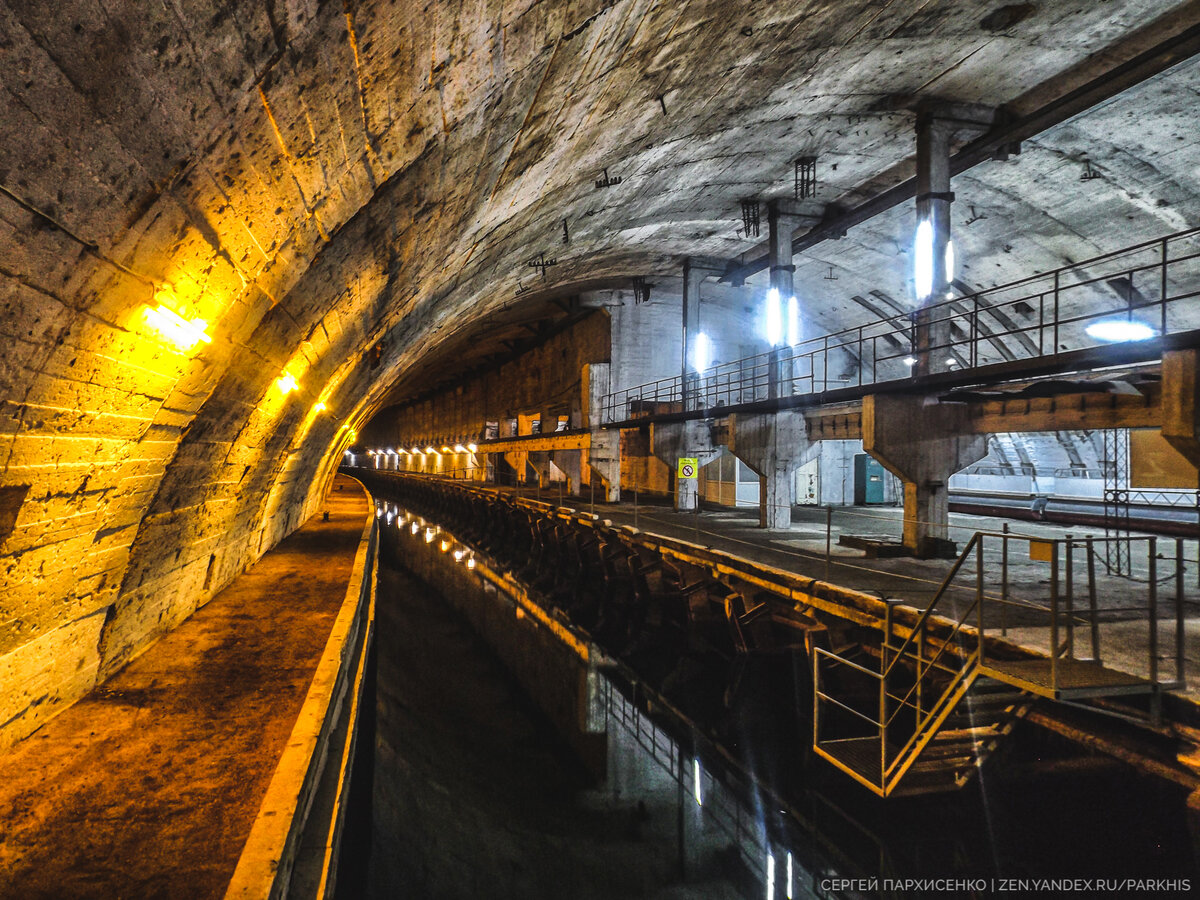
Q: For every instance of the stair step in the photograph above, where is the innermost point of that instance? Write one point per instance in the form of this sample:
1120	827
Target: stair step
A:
968	749
941	764
977	732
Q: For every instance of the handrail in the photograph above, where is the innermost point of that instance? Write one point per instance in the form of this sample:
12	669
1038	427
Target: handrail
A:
934	713
921	620
730	382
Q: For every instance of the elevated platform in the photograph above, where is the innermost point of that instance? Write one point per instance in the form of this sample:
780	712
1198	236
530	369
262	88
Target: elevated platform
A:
149	786
1076	679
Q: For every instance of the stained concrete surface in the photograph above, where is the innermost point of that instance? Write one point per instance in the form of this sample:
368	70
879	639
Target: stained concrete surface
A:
148	786
1121	602
476	796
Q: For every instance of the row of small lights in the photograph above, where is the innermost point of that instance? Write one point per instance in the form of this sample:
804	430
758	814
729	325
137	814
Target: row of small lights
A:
462	553
417	451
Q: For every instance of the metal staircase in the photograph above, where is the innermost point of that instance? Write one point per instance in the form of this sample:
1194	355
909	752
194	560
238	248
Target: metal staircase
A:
943	698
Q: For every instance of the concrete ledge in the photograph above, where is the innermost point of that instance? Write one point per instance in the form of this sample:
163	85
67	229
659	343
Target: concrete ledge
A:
273	849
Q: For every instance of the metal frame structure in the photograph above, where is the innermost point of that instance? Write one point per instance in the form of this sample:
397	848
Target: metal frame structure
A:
1040	317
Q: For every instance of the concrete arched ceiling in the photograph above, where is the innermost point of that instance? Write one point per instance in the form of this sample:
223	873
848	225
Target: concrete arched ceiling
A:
339	187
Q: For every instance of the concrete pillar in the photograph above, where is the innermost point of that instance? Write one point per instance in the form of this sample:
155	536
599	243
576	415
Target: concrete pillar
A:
692	276
922	442
780	228
695	270
517	460
570	462
931	331
672	440
540	461
604	457
1180	413
774	445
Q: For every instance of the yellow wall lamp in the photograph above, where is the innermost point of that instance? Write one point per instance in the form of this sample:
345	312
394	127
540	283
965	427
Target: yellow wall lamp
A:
184	333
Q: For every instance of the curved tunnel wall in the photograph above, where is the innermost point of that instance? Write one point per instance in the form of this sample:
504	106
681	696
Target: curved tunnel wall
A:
336	188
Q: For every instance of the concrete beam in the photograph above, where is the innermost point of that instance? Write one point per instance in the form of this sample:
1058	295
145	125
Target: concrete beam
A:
561	440
922	442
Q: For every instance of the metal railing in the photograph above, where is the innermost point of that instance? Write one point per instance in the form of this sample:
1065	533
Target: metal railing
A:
922	679
1042	315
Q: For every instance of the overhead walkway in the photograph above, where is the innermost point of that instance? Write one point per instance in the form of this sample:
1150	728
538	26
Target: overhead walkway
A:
1033	327
152	785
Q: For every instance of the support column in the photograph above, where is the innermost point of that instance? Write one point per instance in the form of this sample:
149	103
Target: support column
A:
922	442
604	457
517	460
1180	413
540	460
672	440
570	462
931	328
774	445
780	228
689	380
604	460
695	270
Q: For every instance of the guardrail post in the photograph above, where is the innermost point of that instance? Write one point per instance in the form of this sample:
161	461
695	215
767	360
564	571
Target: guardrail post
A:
1070	598
1003	585
1091	567
1152	565
1054	616
979	591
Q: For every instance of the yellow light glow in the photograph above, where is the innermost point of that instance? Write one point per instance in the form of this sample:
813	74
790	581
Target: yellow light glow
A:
286	383
430	450
183	333
320	407
415	450
459	448
472	447
445	449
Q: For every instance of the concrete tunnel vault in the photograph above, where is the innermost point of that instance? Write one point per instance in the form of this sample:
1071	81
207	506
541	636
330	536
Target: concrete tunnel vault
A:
338	189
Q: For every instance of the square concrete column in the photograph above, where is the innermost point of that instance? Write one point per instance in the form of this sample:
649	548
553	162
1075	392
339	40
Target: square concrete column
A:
604	457
774	445
540	460
922	442
604	460
570	462
1180	413
672	440
518	461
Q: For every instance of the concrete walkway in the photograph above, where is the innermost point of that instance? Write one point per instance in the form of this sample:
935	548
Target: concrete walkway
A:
148	786
1122	618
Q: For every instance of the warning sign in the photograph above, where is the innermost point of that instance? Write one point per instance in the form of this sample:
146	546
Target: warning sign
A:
688	466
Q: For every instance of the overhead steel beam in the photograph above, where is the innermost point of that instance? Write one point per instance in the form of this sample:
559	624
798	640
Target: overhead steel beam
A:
999	140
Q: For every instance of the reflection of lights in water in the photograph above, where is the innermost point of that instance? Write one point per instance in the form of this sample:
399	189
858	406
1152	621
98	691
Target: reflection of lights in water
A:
696	782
